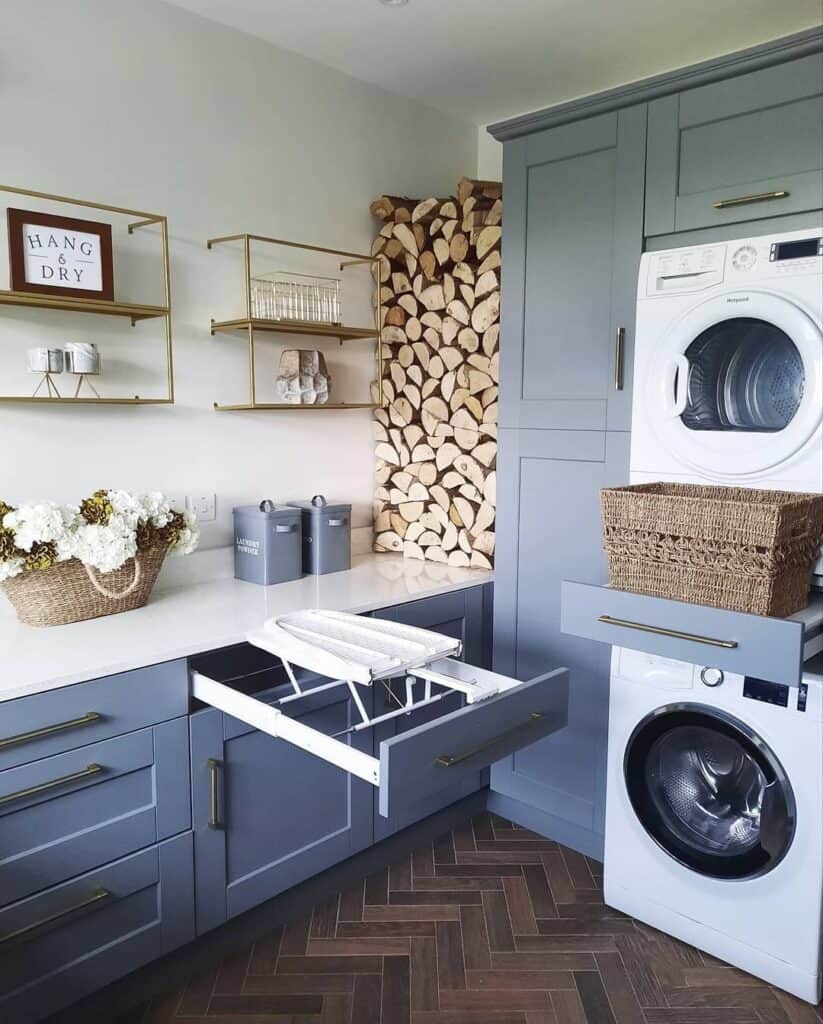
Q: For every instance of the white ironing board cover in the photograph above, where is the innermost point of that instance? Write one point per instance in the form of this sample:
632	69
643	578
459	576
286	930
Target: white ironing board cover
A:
350	647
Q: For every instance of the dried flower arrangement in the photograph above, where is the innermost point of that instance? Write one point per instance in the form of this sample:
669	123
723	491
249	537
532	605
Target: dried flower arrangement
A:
51	555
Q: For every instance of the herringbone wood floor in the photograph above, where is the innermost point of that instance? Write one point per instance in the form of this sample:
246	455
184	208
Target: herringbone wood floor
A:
491	924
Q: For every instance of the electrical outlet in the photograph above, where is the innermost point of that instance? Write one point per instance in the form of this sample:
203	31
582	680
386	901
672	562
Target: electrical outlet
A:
204	506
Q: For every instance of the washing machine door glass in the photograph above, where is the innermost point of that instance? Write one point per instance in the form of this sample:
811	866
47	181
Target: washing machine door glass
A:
736	365
709	792
744	374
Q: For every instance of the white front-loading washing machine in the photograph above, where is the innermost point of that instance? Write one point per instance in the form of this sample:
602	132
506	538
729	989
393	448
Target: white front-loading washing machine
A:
714	830
729	364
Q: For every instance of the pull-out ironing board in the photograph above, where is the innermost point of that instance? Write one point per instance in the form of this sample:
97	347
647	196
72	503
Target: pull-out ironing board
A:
500	714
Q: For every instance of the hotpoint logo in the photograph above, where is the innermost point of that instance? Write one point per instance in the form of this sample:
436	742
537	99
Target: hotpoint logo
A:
737	298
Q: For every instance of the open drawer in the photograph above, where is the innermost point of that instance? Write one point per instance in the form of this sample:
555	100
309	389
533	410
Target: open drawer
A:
750	645
501	715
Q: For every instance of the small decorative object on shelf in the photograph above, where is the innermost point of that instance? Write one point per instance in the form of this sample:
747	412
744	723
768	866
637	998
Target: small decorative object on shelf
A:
299	297
83	360
46	361
303	378
54	255
64	563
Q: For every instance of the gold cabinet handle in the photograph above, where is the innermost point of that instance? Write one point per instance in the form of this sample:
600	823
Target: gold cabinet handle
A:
757	197
662	631
214	802
27	931
43	787
50	730
619	345
450	760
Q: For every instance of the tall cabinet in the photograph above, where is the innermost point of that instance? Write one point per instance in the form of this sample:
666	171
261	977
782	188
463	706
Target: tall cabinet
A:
574	233
586	185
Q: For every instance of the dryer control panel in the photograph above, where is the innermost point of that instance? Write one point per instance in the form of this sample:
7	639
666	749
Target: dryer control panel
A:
746	260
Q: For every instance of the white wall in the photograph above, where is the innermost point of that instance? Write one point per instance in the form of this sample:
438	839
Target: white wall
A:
144	105
489	156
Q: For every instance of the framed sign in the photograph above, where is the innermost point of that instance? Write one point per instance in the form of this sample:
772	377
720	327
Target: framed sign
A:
54	255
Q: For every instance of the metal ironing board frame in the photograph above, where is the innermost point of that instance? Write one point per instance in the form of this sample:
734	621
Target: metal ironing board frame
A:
366	653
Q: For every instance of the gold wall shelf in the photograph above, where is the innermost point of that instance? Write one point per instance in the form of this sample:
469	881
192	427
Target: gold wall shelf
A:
296	327
134	311
250	325
286	406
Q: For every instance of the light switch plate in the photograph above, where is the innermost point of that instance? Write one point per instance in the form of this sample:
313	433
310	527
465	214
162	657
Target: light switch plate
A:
204	506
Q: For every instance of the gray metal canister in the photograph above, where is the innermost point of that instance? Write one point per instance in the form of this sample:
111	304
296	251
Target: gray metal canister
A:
267	543
326	535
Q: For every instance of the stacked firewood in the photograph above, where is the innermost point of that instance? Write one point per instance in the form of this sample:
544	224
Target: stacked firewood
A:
436	434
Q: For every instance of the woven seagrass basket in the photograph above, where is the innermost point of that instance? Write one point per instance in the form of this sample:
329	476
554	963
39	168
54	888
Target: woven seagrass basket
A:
70	591
727	547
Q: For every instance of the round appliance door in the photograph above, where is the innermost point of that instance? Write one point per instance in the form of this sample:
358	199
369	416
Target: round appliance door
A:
738	364
709	792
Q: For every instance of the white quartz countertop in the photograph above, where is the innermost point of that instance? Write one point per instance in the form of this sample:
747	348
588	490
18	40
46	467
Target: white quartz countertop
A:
203	616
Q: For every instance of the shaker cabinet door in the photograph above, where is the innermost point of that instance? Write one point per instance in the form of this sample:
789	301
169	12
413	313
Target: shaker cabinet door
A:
549	484
572	241
266	814
738	150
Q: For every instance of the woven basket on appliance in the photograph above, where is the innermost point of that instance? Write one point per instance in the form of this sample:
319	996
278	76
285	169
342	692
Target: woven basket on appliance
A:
736	548
70	591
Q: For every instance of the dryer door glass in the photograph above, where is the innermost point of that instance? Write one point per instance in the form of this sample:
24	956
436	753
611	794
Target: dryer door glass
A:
709	792
744	374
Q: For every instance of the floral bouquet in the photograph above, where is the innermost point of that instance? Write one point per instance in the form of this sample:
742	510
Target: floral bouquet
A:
63	563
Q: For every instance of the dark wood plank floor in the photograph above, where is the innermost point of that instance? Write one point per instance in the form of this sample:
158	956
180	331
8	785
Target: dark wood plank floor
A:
491	924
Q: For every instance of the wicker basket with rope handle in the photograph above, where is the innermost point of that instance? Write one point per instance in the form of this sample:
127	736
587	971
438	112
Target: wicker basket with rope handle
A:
71	591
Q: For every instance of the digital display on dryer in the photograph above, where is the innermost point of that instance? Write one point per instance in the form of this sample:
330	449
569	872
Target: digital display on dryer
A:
801	249
769	693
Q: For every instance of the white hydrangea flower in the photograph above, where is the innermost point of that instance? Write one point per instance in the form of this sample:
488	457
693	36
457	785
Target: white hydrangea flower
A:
128	506
41	523
105	548
157	509
13	567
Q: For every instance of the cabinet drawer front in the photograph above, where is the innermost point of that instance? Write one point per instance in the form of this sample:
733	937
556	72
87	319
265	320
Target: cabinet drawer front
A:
455	746
49	723
753	144
74	938
747	644
72	812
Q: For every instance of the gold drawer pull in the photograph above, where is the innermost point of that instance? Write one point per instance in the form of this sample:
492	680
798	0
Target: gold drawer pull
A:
90	769
450	760
27	931
662	631
50	730
758	197
214	803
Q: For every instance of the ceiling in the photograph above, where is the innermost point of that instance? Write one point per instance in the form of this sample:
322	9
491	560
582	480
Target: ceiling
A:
483	60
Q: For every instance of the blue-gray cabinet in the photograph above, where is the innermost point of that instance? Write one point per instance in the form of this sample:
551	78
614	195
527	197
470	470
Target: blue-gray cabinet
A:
549	515
466	616
267	815
572	245
74	938
736	150
71	812
572	242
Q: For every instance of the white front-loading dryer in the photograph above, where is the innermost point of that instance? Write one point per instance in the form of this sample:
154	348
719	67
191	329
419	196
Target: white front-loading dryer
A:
714	831
729	363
